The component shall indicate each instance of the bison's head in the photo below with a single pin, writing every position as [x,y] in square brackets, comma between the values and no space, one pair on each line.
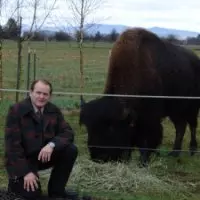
[110,129]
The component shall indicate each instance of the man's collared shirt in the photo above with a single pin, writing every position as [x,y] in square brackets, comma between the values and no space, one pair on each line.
[36,110]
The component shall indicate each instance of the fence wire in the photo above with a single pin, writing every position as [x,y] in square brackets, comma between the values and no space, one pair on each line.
[74,121]
[109,95]
[131,148]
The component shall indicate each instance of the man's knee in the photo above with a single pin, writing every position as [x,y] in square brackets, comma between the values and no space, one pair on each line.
[17,187]
[69,152]
[72,151]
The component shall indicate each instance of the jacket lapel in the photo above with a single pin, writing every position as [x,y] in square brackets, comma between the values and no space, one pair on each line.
[47,115]
[48,110]
[46,120]
[33,115]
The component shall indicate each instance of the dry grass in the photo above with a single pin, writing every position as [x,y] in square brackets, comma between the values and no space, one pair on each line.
[165,178]
[124,178]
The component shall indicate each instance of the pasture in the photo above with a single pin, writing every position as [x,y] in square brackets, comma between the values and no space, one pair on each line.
[165,178]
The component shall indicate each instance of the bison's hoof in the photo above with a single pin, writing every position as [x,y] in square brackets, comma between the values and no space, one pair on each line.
[157,153]
[193,151]
[86,198]
[143,163]
[174,153]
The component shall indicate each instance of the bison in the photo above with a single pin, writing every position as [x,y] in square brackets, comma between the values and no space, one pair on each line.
[141,63]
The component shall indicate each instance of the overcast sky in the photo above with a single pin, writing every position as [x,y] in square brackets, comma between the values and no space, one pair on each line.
[179,14]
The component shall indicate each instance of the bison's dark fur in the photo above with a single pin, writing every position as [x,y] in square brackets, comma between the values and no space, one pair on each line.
[143,64]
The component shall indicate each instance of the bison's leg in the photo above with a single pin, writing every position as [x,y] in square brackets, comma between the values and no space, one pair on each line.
[193,126]
[125,155]
[145,153]
[192,120]
[153,133]
[193,141]
[180,127]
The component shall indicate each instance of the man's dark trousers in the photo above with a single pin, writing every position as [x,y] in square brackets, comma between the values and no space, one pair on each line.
[62,162]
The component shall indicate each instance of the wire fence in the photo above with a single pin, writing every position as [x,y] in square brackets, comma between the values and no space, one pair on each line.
[59,63]
[82,144]
[74,121]
[109,95]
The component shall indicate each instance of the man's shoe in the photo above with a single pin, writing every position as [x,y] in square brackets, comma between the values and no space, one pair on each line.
[67,195]
[86,198]
[71,195]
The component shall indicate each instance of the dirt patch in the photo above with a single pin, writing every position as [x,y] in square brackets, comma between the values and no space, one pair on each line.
[4,195]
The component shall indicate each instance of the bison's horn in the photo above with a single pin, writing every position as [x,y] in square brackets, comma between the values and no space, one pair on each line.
[125,113]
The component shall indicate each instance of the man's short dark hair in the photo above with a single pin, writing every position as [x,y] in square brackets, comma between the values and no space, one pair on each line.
[46,82]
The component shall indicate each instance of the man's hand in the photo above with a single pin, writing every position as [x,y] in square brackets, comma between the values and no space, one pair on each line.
[30,182]
[45,154]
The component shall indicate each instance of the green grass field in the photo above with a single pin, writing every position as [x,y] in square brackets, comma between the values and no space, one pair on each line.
[165,178]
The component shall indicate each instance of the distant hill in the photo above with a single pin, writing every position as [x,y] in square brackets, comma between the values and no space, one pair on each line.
[179,33]
[162,32]
[107,28]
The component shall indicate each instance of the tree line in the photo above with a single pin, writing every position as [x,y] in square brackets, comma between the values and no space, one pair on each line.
[11,31]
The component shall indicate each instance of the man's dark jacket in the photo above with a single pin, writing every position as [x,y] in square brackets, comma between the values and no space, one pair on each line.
[24,139]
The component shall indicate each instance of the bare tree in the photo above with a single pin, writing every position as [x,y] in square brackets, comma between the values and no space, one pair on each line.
[1,66]
[40,11]
[33,12]
[81,12]
[1,49]
[34,7]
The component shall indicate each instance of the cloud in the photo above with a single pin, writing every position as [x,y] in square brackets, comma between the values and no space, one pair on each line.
[174,14]
[146,13]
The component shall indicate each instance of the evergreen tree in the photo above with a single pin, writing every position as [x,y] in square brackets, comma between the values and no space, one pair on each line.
[11,29]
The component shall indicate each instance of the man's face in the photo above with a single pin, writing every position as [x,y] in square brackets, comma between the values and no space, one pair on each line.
[40,95]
